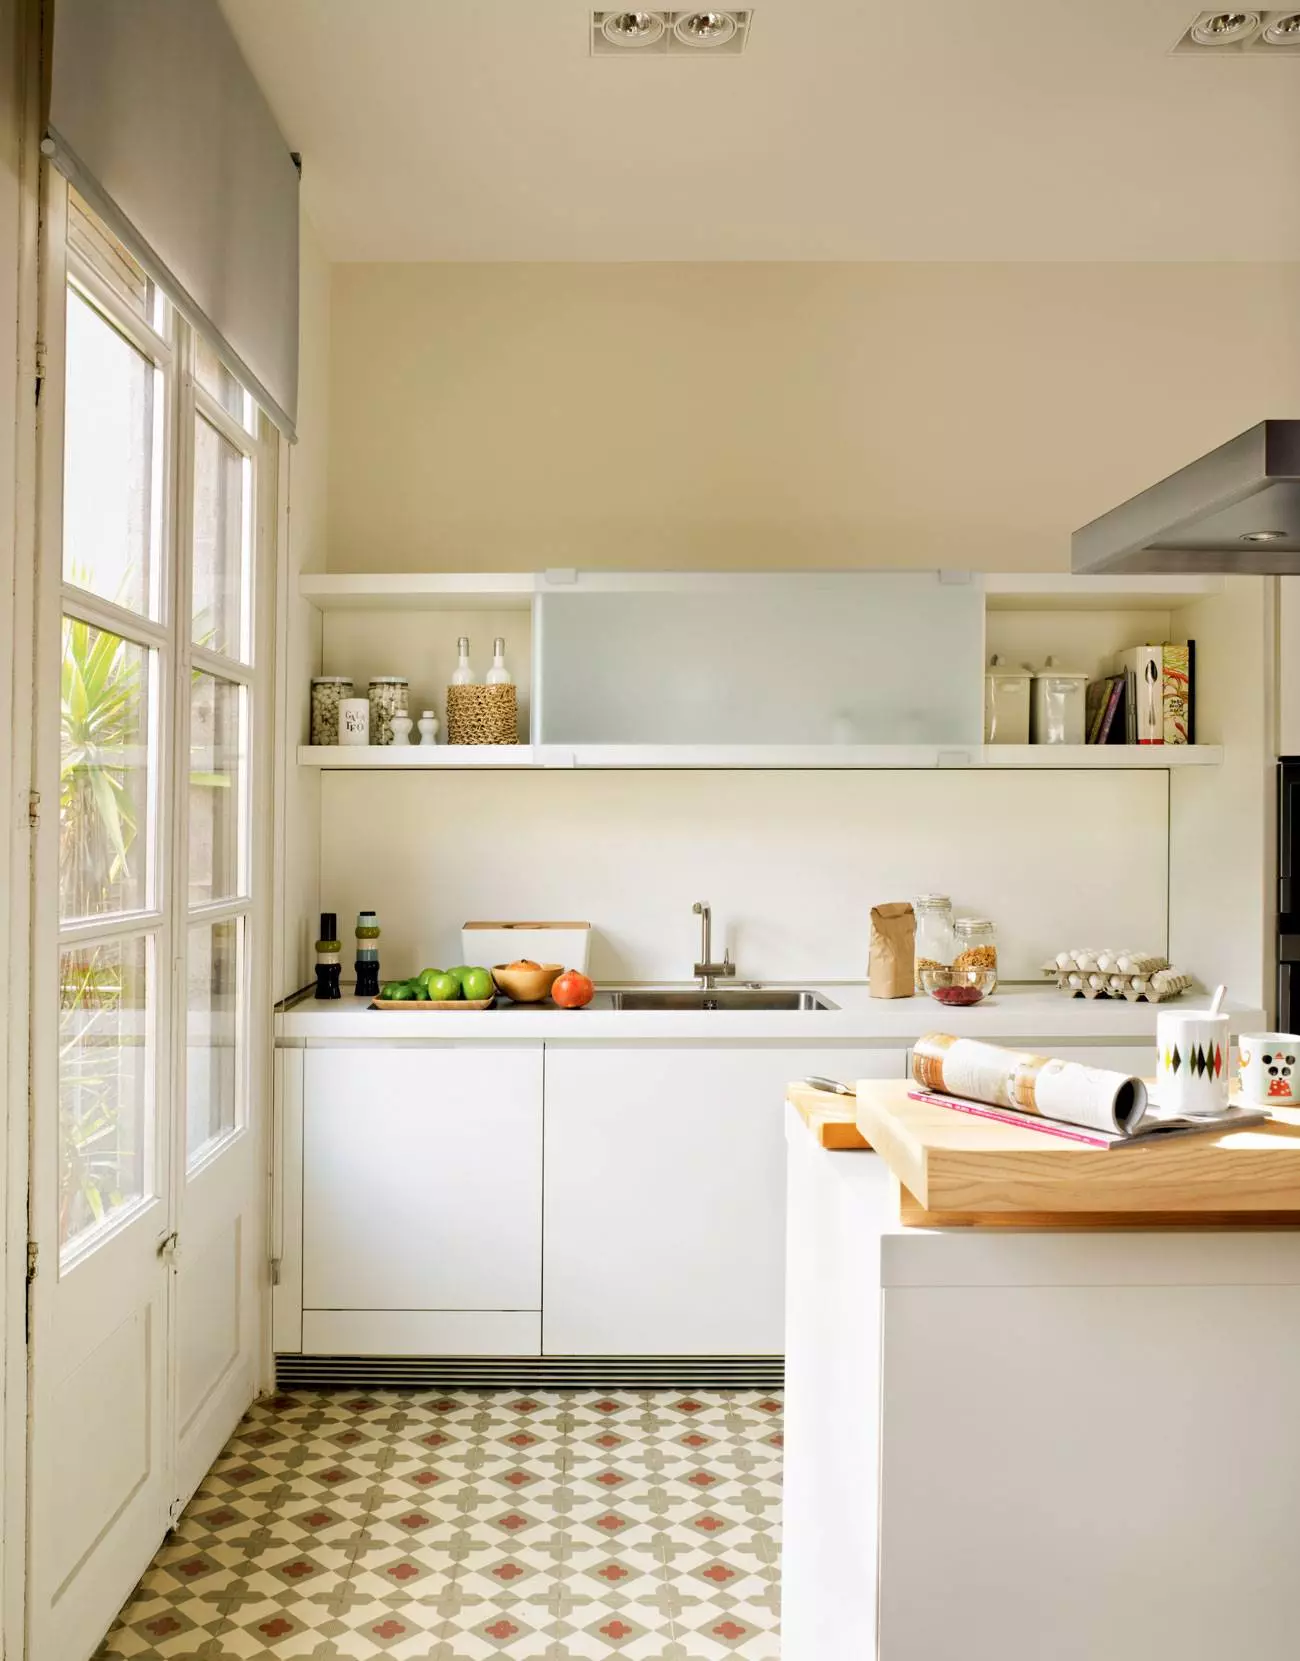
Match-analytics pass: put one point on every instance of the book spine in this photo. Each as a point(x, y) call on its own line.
point(1144, 667)
point(1175, 686)
point(1114, 698)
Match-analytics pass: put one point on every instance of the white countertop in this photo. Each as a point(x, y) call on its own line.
point(1017, 1013)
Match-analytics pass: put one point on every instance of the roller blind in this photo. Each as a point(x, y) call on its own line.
point(156, 119)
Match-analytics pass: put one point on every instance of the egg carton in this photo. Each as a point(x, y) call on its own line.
point(1137, 976)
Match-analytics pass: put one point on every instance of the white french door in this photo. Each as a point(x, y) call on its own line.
point(148, 1053)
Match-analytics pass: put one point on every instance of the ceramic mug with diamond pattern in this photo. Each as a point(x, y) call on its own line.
point(1269, 1064)
point(1193, 1069)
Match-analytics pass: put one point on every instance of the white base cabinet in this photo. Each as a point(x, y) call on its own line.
point(422, 1199)
point(665, 1195)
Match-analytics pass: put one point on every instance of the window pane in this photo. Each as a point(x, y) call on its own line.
point(112, 463)
point(105, 784)
point(110, 259)
point(217, 745)
point(213, 376)
point(222, 540)
point(213, 1034)
point(106, 1091)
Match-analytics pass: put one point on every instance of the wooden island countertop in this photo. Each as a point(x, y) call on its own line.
point(955, 1170)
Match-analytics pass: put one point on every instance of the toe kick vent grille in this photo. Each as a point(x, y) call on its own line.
point(554, 1372)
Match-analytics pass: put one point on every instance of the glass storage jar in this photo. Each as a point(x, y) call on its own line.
point(976, 944)
point(327, 693)
point(934, 937)
point(389, 695)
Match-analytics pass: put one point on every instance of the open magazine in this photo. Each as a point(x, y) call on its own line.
point(1090, 1105)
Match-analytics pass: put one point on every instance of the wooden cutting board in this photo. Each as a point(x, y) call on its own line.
point(832, 1119)
point(953, 1163)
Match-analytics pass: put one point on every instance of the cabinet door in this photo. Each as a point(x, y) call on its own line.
point(665, 1195)
point(422, 1178)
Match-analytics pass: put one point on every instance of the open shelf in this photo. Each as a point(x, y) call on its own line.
point(419, 590)
point(841, 757)
point(1059, 591)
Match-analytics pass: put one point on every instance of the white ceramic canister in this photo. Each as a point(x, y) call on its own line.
point(1193, 1065)
point(1006, 704)
point(1059, 706)
point(1268, 1064)
point(354, 721)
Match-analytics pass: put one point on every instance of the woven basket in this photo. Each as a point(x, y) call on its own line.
point(482, 715)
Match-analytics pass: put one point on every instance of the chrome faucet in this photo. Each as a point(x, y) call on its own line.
point(706, 969)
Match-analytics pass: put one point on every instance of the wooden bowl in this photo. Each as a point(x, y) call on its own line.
point(526, 986)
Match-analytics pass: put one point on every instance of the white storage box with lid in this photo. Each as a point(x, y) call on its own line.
point(493, 943)
point(1059, 706)
point(1006, 704)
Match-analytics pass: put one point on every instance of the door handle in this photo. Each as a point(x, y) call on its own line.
point(169, 1248)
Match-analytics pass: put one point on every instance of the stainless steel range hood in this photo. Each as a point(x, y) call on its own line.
point(1237, 509)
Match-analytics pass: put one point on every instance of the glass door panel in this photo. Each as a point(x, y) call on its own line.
point(214, 1034)
point(106, 779)
point(107, 1068)
point(217, 851)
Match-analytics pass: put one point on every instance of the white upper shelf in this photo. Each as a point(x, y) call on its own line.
point(842, 757)
point(1059, 591)
point(514, 590)
point(419, 590)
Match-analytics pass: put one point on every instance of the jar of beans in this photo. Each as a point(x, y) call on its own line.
point(389, 695)
point(976, 944)
point(934, 945)
point(327, 693)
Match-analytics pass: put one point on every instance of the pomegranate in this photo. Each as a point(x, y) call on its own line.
point(572, 990)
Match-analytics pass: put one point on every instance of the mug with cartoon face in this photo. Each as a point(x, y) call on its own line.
point(1269, 1065)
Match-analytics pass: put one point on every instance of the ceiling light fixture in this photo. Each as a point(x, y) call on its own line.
point(1224, 28)
point(704, 28)
point(1282, 30)
point(1263, 536)
point(632, 29)
point(620, 34)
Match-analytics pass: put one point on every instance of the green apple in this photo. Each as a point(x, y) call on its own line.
point(460, 971)
point(442, 988)
point(477, 983)
point(425, 976)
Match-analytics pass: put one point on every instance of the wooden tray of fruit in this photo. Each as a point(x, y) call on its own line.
point(440, 989)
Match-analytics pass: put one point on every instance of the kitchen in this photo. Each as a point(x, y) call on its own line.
point(652, 550)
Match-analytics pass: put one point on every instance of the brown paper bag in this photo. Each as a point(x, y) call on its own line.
point(892, 968)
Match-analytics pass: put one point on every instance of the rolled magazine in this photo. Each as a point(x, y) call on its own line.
point(1020, 1082)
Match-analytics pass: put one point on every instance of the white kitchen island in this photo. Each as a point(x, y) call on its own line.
point(1016, 1444)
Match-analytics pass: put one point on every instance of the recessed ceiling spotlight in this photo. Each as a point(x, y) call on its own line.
point(704, 28)
point(1282, 29)
point(632, 28)
point(1224, 28)
point(1263, 536)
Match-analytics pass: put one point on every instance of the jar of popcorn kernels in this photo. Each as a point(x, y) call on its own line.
point(388, 697)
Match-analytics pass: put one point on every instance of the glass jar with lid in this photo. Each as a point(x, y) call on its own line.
point(327, 693)
point(934, 936)
point(976, 943)
point(389, 695)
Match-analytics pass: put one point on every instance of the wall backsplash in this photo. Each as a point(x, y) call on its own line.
point(791, 861)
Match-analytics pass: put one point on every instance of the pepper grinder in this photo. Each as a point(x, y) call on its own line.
point(329, 957)
point(367, 954)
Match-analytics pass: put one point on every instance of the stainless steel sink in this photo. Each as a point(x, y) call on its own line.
point(759, 998)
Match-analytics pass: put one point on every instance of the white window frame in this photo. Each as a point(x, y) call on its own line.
point(169, 916)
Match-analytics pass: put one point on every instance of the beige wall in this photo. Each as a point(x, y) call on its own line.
point(519, 416)
point(298, 844)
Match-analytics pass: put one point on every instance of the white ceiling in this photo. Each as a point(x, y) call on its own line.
point(850, 130)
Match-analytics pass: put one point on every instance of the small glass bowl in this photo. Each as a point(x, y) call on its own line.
point(959, 988)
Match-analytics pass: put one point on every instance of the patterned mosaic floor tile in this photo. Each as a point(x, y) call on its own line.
point(467, 1526)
